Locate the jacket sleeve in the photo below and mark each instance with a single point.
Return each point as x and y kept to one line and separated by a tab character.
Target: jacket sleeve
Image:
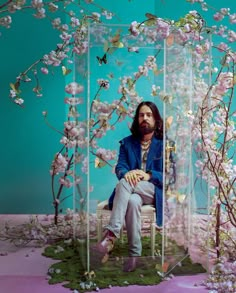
156	177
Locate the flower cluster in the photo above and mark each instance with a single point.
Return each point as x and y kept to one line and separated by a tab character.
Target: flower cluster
105	154
59	164
104	83
74	134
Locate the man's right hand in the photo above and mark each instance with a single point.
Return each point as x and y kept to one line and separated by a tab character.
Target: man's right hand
134	176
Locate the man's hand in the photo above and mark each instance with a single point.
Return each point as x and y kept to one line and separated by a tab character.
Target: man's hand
134	176
145	176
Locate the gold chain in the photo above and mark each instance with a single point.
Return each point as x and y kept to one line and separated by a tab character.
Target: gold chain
145	144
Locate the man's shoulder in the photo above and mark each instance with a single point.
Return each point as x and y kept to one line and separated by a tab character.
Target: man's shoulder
158	142
132	139
158	139
128	139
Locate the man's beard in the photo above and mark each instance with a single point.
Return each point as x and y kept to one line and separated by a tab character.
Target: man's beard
145	129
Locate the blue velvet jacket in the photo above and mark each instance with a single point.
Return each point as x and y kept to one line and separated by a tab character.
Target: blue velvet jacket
130	158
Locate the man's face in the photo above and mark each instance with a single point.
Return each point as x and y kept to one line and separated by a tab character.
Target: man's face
146	120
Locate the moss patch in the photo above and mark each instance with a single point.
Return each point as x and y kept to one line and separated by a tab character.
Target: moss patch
72	266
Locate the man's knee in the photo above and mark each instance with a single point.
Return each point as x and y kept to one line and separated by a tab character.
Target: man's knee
135	202
122	181
122	184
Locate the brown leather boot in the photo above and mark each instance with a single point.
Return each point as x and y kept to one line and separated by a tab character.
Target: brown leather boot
130	264
102	249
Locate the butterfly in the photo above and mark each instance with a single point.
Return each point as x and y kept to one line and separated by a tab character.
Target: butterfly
162	268
110	75
119	63
102	59
115	40
15	86
178	197
169	121
65	70
151	19
166	98
150	16
99	163
165	267
170	40
89	275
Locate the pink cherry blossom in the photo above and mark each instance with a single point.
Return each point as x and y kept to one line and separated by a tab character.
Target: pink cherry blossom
74	88
44	70
134	28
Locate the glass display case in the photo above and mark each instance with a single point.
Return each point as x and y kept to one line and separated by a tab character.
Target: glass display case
120	71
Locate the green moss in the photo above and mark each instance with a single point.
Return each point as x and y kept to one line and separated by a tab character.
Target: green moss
72	266
186	267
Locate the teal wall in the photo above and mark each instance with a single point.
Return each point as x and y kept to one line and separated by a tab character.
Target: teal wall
27	144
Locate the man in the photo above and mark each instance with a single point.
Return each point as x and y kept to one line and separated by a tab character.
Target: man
140	173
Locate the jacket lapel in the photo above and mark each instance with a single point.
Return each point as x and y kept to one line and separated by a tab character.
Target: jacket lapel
137	152
152	151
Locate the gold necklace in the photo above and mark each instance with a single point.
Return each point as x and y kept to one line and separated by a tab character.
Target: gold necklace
145	144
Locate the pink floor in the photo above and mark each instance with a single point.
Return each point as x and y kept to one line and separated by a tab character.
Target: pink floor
24	270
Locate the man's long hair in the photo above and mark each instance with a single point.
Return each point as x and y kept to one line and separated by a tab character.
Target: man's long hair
135	129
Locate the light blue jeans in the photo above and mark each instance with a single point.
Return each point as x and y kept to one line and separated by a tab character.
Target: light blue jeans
127	205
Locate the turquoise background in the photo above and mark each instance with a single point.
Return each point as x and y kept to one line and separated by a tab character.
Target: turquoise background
27	144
